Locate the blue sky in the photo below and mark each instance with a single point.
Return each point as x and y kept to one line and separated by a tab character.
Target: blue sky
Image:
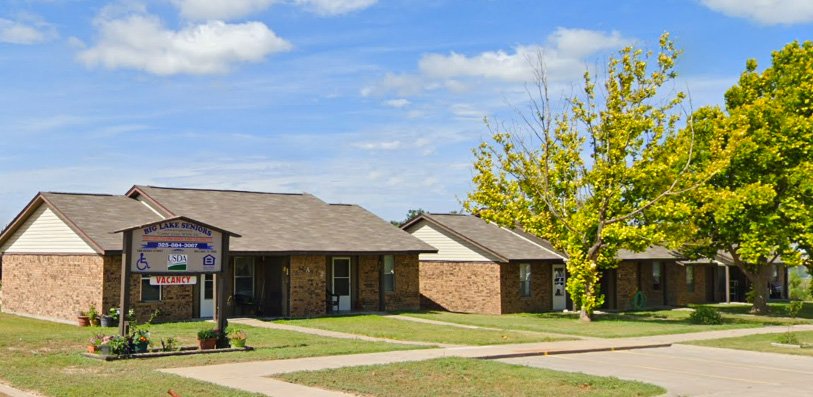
377	103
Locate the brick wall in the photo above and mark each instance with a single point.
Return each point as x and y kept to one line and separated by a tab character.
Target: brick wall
368	279
308	286
679	289
407	285
176	300
541	289
51	286
472	287
626	284
654	297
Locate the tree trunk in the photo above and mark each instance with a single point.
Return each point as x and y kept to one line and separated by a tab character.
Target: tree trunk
585	316
759	284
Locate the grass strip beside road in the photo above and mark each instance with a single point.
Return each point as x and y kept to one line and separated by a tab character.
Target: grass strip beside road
383	327
466	377
44	357
606	325
760	343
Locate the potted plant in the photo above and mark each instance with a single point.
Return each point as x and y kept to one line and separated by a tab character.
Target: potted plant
93	315
94	342
114	345
141	340
237	338
207	339
83	319
107	320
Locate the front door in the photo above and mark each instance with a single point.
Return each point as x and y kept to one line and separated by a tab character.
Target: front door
341	283
207	306
559	293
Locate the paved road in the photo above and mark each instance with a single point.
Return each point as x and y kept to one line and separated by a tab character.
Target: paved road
693	370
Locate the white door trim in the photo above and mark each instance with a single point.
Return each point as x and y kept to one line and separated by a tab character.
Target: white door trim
344	300
559	292
207	306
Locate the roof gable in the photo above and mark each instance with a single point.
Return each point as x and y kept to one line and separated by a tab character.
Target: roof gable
502	243
42	231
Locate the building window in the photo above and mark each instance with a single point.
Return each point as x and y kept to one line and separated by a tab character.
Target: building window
389	273
149	293
244	278
689	278
524	279
656	275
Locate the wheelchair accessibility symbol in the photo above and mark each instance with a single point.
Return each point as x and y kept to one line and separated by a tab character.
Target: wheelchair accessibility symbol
141	263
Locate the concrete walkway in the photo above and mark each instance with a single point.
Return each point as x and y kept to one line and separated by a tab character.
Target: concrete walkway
466	326
330	334
6	390
254	376
685	370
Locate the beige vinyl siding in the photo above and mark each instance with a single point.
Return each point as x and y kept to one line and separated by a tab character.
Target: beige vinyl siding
450	248
44	232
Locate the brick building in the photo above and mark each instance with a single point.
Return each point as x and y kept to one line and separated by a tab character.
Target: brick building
297	255
483	268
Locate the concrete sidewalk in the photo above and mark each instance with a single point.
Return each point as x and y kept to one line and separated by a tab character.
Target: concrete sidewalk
6	390
466	326
253	376
330	334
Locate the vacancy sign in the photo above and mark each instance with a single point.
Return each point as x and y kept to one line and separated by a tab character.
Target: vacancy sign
173	280
176	246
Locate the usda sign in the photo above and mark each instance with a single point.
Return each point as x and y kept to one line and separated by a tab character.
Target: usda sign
177	263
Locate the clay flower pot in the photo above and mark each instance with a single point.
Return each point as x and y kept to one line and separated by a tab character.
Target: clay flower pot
207	344
84	321
92	348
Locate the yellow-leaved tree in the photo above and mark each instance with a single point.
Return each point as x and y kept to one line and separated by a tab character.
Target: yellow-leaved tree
593	178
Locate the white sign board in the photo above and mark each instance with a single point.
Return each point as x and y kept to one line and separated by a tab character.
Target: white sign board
173	280
176	246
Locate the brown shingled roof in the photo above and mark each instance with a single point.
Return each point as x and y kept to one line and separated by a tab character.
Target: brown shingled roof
284	223
507	244
654	252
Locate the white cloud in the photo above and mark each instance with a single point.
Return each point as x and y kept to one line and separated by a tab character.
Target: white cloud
334	7
26	30
397	103
141	42
386	145
563	56
219	9
767	12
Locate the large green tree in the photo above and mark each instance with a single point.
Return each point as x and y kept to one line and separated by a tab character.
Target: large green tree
592	178
759	209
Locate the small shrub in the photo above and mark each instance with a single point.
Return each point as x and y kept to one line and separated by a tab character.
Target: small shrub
788	338
706	315
793	309
799	288
750	295
169	344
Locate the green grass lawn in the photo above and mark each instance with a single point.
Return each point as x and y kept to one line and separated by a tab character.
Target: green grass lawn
760	343
383	327
466	377
44	356
777	310
608	325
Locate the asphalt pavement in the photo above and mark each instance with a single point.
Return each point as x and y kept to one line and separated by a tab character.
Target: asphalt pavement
686	370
